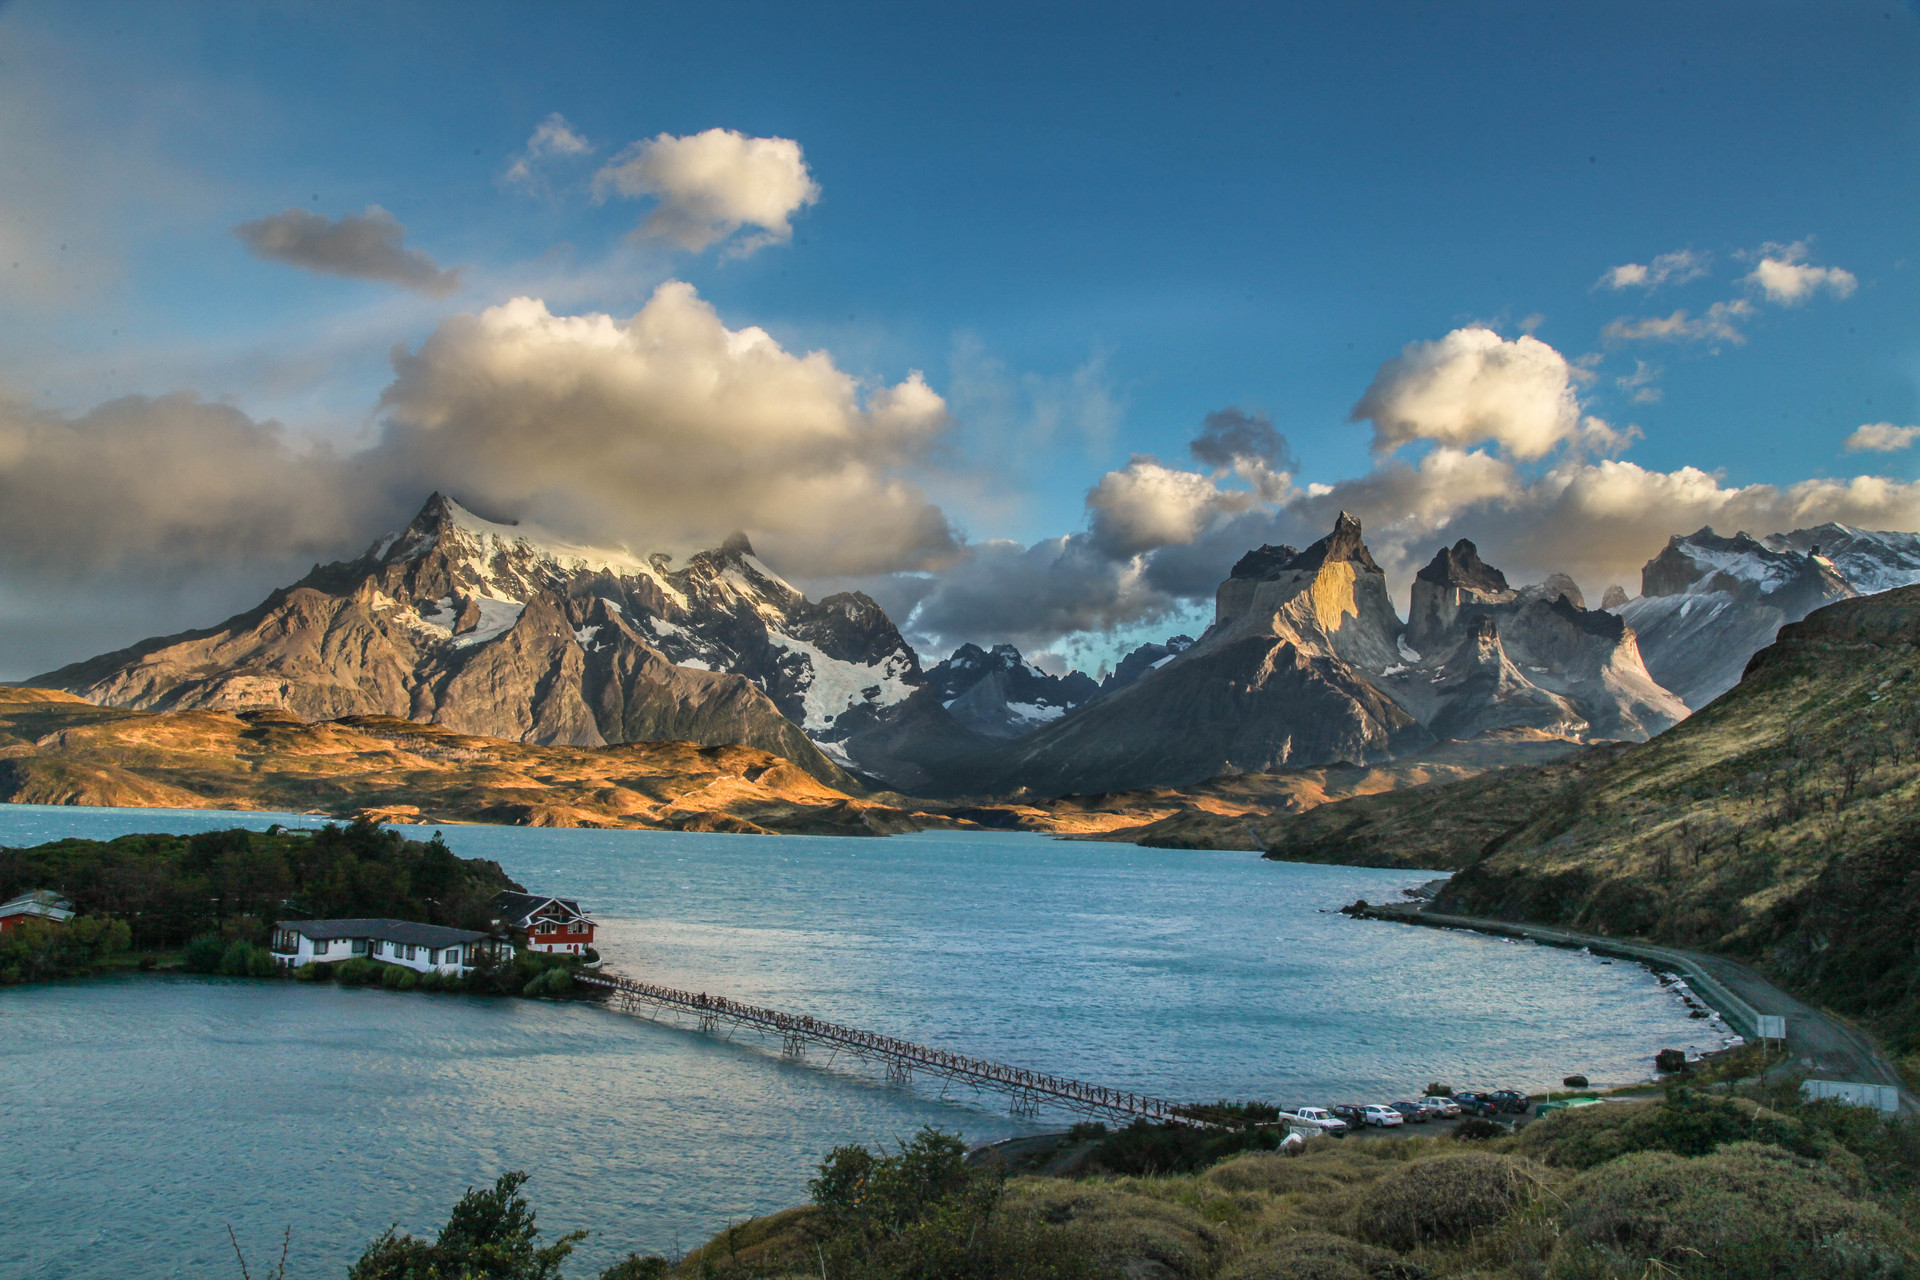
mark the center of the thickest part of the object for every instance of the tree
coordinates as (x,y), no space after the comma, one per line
(490,1235)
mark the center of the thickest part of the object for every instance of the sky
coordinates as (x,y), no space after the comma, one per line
(1026,320)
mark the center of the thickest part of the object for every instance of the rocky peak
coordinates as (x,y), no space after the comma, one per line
(1461,566)
(1344,543)
(1613,597)
(1263,562)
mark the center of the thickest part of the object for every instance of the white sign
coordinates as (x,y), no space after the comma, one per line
(1772,1027)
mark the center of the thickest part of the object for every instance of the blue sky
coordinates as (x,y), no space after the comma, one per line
(1087,226)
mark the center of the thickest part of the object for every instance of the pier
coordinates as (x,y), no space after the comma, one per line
(902,1059)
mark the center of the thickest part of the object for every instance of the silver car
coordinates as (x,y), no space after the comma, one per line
(1440,1108)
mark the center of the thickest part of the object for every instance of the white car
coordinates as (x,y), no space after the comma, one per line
(1381,1117)
(1445,1108)
(1321,1118)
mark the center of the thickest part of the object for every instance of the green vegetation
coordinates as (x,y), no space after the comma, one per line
(490,1235)
(1685,1187)
(37,949)
(171,889)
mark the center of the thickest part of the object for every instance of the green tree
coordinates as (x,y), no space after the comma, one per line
(490,1235)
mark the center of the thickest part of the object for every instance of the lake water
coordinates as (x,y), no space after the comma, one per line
(144,1115)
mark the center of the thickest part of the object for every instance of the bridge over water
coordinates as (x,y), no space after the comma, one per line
(902,1059)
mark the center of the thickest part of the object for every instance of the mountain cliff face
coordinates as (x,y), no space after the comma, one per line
(492,630)
(1707,604)
(1272,683)
(1479,655)
(1001,695)
(1145,658)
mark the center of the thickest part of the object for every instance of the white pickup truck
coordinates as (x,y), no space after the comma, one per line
(1319,1118)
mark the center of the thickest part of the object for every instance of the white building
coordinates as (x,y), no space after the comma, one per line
(423,948)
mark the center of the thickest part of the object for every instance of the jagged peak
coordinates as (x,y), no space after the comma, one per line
(1461,566)
(1343,543)
(736,545)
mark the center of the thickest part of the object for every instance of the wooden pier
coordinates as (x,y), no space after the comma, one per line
(902,1059)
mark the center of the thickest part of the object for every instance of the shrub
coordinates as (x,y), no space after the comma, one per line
(204,953)
(1575,1082)
(38,949)
(312,973)
(1479,1129)
(398,978)
(635,1267)
(1746,1212)
(1447,1198)
(1142,1149)
(1115,1231)
(490,1235)
(1435,1089)
(1316,1255)
(359,971)
(244,960)
(552,982)
(1686,1123)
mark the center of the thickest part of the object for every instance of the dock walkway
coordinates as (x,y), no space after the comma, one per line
(902,1059)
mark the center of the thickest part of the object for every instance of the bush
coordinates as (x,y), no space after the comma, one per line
(38,949)
(1479,1129)
(552,982)
(312,973)
(1435,1089)
(1144,1150)
(1112,1230)
(1447,1198)
(1685,1123)
(357,972)
(1746,1212)
(1316,1255)
(204,953)
(490,1235)
(635,1267)
(244,960)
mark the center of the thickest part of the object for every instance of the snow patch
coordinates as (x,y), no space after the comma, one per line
(832,686)
(1162,662)
(1035,713)
(1407,651)
(496,619)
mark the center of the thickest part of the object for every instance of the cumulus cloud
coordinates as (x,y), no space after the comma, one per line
(669,429)
(1473,386)
(1881,437)
(553,139)
(710,185)
(147,485)
(1669,268)
(1716,324)
(1231,435)
(1784,277)
(362,246)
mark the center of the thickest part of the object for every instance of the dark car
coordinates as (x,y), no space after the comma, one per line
(1354,1115)
(1509,1101)
(1476,1104)
(1413,1111)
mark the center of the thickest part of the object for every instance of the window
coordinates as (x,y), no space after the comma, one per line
(359,946)
(411,950)
(433,956)
(319,946)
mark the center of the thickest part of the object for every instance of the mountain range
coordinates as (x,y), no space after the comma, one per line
(506,631)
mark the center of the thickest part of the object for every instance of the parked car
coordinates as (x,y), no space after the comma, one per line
(1509,1101)
(1321,1118)
(1412,1112)
(1475,1104)
(1440,1108)
(1381,1117)
(1352,1112)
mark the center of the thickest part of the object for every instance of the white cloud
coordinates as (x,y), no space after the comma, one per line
(669,430)
(1881,437)
(1473,386)
(552,139)
(1669,268)
(1785,278)
(1715,325)
(363,246)
(1641,383)
(710,185)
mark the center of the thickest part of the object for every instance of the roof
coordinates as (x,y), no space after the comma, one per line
(39,902)
(516,909)
(405,932)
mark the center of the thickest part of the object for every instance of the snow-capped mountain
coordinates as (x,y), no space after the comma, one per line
(1870,560)
(999,694)
(1707,604)
(1307,663)
(508,631)
(1148,657)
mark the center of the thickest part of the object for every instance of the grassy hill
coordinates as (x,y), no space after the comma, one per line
(1781,823)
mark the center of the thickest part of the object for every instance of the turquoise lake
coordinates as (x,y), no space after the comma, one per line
(145,1115)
